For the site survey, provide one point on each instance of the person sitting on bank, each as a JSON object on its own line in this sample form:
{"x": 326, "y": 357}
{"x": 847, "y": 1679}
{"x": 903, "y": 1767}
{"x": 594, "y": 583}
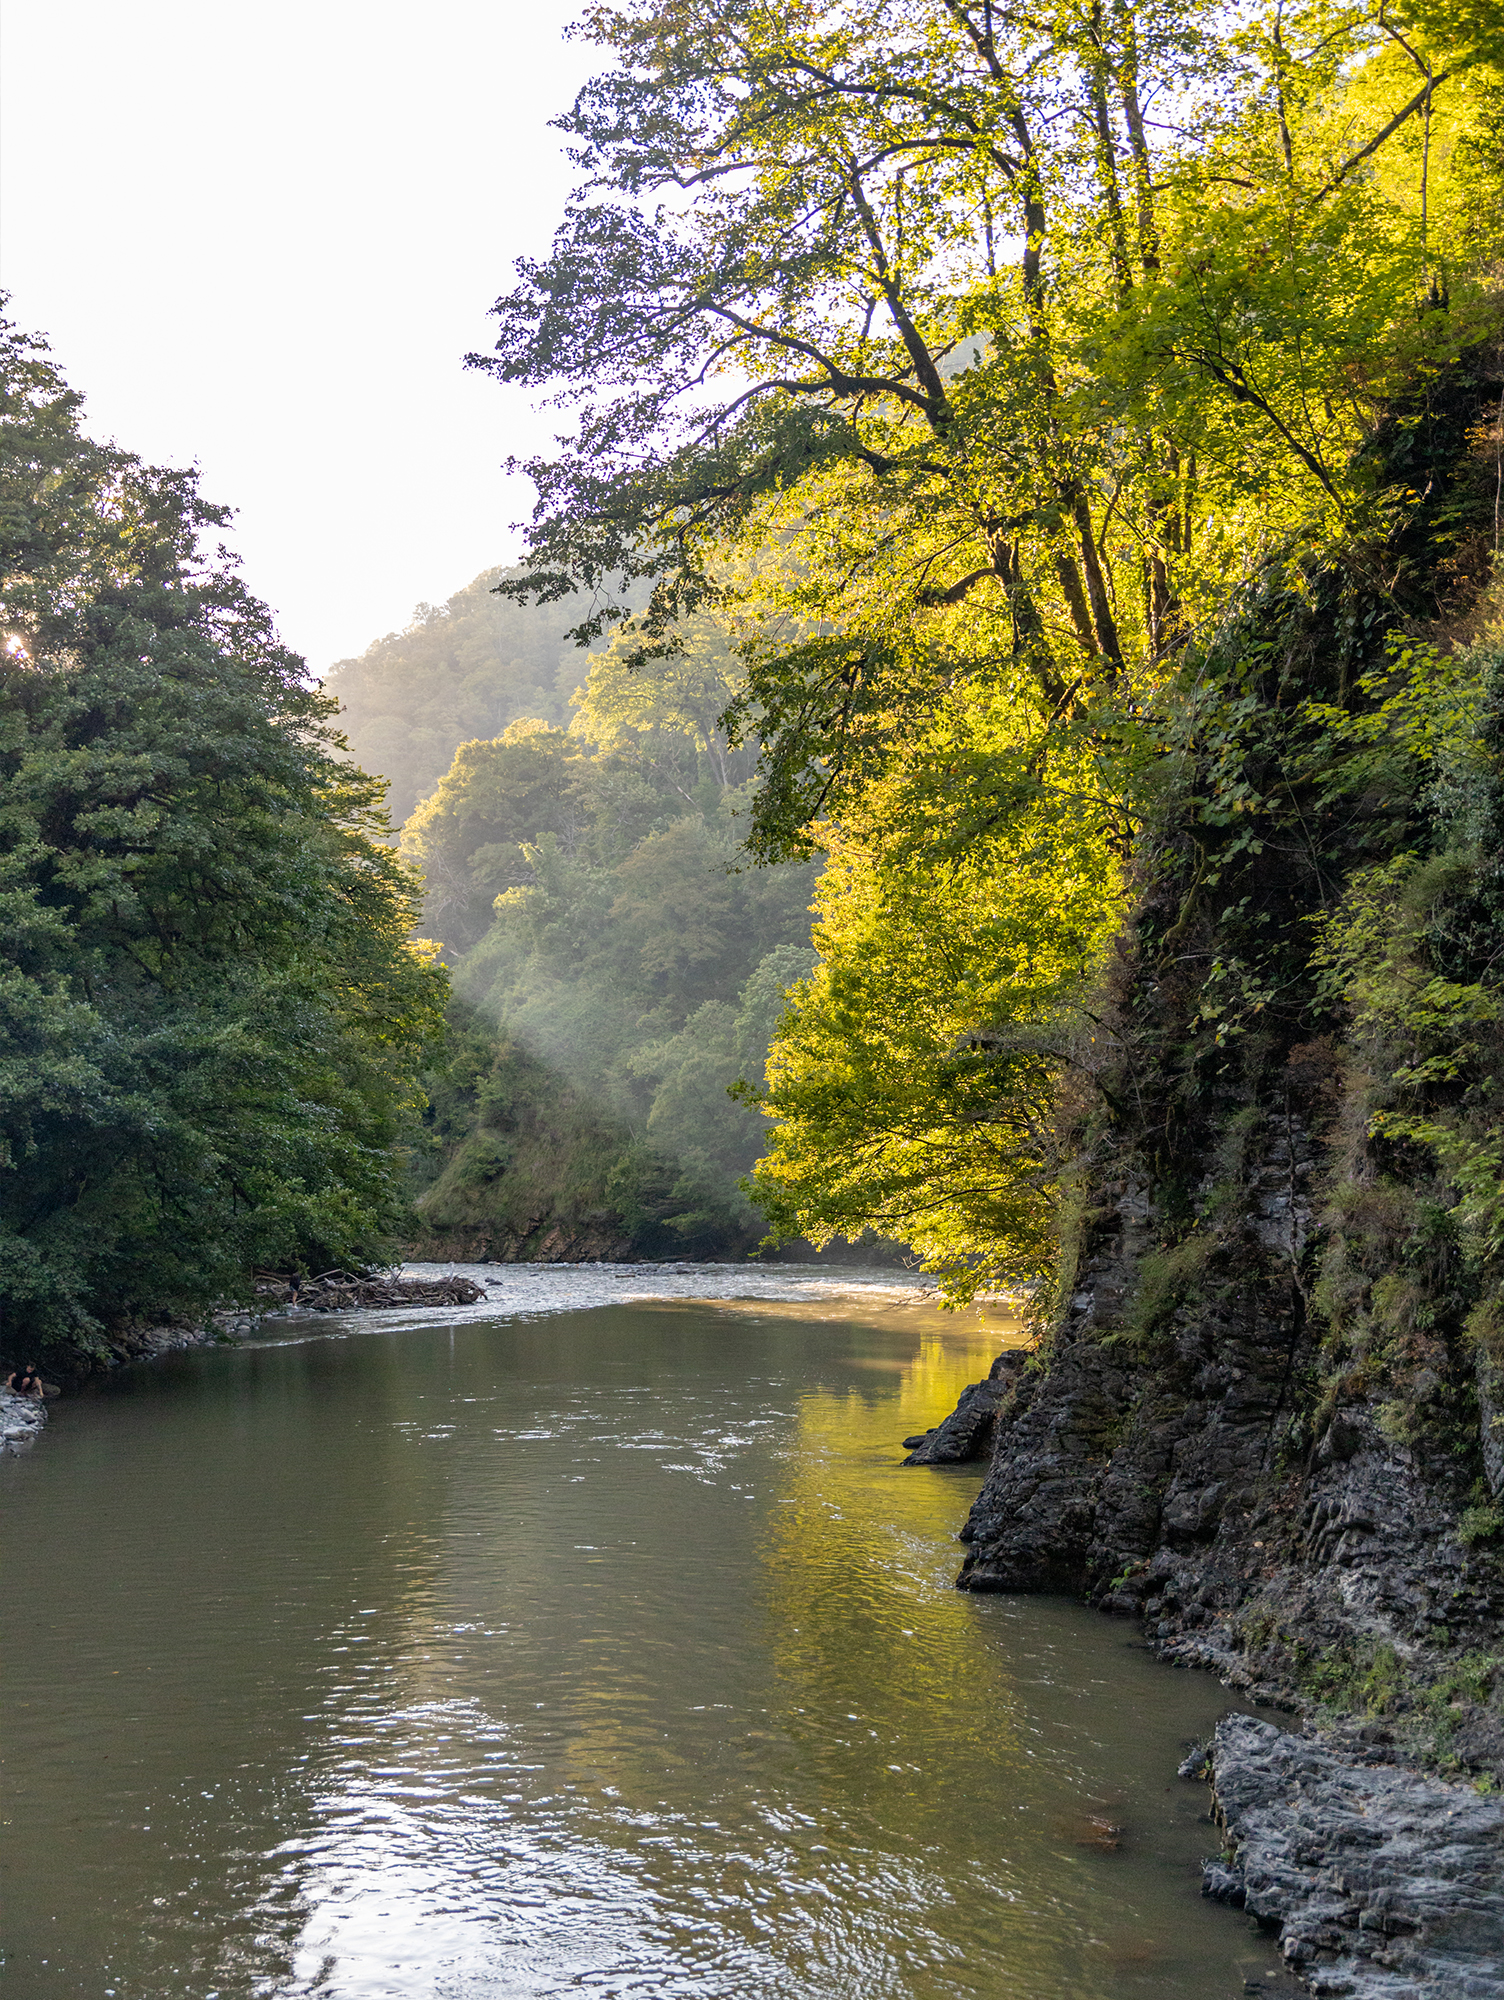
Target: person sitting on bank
{"x": 25, "y": 1381}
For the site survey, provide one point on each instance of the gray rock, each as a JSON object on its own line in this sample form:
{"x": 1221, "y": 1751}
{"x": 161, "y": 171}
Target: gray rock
{"x": 1182, "y": 1476}
{"x": 1197, "y": 1764}
{"x": 1223, "y": 1884}
{"x": 1383, "y": 1883}
{"x": 967, "y": 1432}
{"x": 21, "y": 1421}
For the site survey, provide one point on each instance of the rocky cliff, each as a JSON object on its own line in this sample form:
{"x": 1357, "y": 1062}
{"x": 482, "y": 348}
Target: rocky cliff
{"x": 1217, "y": 1486}
{"x": 1265, "y": 1413}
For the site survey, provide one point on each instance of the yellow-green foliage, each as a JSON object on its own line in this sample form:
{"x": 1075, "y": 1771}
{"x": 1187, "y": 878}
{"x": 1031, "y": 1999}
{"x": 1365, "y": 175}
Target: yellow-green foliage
{"x": 1430, "y": 1047}
{"x": 975, "y": 388}
{"x": 913, "y": 1076}
{"x": 684, "y": 689}
{"x": 1165, "y": 1279}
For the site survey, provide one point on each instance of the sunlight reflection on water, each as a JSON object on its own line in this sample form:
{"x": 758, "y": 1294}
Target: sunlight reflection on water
{"x": 544, "y": 1650}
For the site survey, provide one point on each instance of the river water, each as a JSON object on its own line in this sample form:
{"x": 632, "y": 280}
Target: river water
{"x": 591, "y": 1640}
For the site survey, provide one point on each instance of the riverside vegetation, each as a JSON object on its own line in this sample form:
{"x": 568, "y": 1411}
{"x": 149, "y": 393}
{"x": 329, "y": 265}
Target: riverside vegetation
{"x": 616, "y": 969}
{"x": 224, "y": 1053}
{"x": 211, "y": 1013}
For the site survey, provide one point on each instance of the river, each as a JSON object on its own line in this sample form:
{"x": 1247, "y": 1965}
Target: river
{"x": 592, "y": 1640}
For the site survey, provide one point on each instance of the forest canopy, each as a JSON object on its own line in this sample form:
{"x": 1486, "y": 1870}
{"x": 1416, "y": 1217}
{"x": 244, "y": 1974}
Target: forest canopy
{"x": 620, "y": 968}
{"x": 211, "y": 1016}
{"x": 575, "y": 820}
{"x": 979, "y": 369}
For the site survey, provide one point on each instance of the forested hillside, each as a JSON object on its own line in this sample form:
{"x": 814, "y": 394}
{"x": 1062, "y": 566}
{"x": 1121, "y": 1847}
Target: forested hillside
{"x": 619, "y": 970}
{"x": 211, "y": 1017}
{"x": 461, "y": 670}
{"x": 1090, "y": 423}
{"x": 576, "y": 820}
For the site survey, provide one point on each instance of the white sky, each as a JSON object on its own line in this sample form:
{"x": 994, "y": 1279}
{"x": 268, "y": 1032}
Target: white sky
{"x": 263, "y": 237}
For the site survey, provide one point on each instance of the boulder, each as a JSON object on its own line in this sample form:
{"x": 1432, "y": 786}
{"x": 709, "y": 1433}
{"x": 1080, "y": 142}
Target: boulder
{"x": 967, "y": 1432}
{"x": 1383, "y": 1882}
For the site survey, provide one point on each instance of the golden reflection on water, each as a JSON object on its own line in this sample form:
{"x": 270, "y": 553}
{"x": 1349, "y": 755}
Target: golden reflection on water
{"x": 617, "y": 1652}
{"x": 978, "y": 1328}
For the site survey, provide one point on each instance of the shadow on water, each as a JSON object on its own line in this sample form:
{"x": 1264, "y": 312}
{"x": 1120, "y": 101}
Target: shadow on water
{"x": 607, "y": 1651}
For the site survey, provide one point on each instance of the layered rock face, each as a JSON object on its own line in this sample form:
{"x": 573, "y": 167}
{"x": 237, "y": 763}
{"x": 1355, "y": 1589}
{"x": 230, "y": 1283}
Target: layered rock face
{"x": 968, "y": 1431}
{"x": 542, "y": 1242}
{"x": 1266, "y": 1414}
{"x": 1209, "y": 1467}
{"x": 1190, "y": 1484}
{"x": 1386, "y": 1884}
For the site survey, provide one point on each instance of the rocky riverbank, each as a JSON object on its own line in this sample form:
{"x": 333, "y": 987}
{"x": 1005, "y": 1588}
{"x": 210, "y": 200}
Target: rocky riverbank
{"x": 1339, "y": 1581}
{"x": 967, "y": 1433}
{"x": 331, "y": 1291}
{"x": 1336, "y": 1569}
{"x": 74, "y": 1366}
{"x": 1385, "y": 1883}
{"x": 1266, "y": 1414}
{"x": 22, "y": 1420}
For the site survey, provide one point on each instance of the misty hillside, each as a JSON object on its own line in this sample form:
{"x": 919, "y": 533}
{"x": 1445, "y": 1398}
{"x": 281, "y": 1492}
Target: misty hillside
{"x": 461, "y": 670}
{"x": 617, "y": 966}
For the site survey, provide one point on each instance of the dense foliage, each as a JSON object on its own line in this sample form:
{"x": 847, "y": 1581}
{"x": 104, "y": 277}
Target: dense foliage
{"x": 982, "y": 369}
{"x": 914, "y": 1076}
{"x": 624, "y": 972}
{"x": 1411, "y": 956}
{"x": 210, "y": 1017}
{"x": 660, "y": 753}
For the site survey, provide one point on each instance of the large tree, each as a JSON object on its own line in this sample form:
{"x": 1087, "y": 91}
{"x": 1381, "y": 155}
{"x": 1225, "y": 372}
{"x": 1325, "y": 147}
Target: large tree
{"x": 1070, "y": 290}
{"x": 977, "y": 360}
{"x": 210, "y": 1017}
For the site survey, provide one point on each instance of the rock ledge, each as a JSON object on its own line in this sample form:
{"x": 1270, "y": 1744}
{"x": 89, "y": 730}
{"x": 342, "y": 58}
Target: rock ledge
{"x": 968, "y": 1431}
{"x": 1384, "y": 1883}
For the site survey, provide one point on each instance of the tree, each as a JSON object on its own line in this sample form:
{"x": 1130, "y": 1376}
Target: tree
{"x": 467, "y": 837}
{"x": 683, "y": 687}
{"x": 632, "y": 973}
{"x": 951, "y": 252}
{"x": 978, "y": 364}
{"x": 914, "y": 1075}
{"x": 210, "y": 1017}
{"x": 462, "y": 670}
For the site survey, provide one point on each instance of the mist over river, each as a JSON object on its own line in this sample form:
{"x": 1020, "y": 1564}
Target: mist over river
{"x": 588, "y": 1640}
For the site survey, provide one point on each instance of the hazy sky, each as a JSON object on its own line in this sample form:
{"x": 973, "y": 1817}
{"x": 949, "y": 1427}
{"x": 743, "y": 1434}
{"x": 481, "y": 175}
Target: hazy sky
{"x": 263, "y": 237}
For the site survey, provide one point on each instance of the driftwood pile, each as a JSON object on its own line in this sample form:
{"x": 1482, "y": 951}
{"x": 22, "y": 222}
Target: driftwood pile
{"x": 343, "y": 1291}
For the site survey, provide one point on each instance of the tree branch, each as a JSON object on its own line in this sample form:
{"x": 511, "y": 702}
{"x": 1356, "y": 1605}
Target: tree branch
{"x": 1407, "y": 111}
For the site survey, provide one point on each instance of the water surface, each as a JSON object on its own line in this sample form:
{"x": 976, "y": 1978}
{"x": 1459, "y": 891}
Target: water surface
{"x": 590, "y": 1641}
